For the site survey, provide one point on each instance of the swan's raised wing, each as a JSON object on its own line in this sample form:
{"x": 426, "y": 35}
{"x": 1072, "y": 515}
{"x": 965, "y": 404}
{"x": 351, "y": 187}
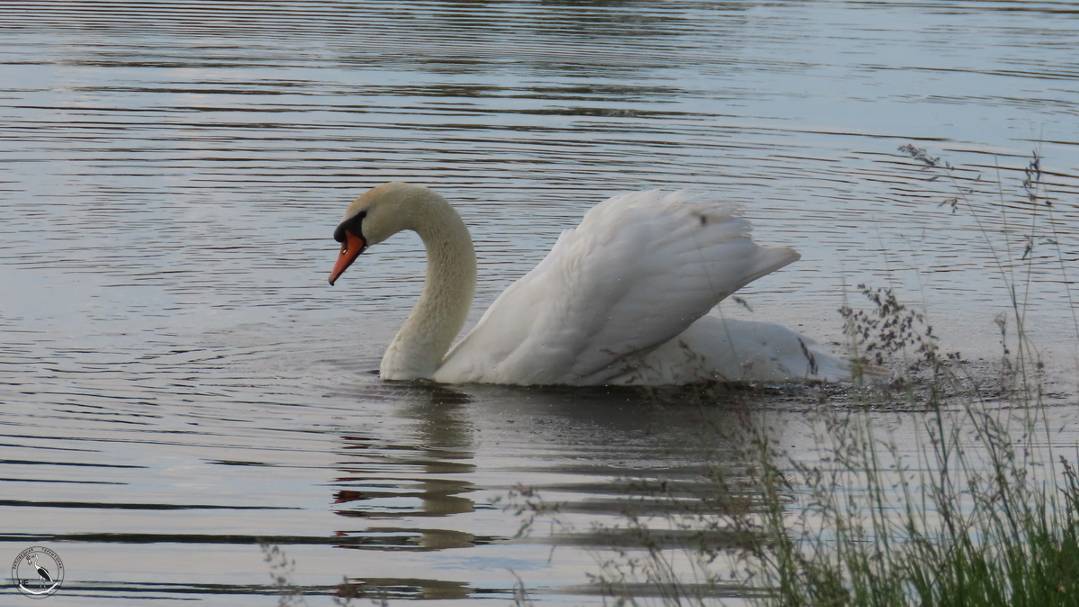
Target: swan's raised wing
{"x": 637, "y": 271}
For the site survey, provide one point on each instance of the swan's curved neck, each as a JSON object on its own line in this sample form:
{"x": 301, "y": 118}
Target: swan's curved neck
{"x": 426, "y": 336}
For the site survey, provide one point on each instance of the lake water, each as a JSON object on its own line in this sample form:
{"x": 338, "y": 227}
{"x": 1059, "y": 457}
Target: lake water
{"x": 178, "y": 383}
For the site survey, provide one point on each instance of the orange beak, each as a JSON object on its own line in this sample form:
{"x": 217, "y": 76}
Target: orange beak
{"x": 350, "y": 250}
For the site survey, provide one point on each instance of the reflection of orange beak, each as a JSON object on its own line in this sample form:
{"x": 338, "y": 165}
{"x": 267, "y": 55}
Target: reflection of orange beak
{"x": 350, "y": 250}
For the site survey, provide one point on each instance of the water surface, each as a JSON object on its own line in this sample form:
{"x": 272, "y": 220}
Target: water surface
{"x": 178, "y": 382}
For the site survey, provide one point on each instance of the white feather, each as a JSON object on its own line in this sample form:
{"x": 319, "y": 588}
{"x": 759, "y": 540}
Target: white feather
{"x": 616, "y": 291}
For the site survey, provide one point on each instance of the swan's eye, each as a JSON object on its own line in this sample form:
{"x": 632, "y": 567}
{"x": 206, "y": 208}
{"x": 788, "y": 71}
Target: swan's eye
{"x": 353, "y": 224}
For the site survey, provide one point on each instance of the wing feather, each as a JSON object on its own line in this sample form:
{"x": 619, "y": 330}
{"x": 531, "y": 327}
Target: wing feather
{"x": 637, "y": 271}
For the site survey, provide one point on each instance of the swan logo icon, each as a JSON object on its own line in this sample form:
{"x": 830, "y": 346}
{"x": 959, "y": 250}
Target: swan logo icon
{"x": 37, "y": 572}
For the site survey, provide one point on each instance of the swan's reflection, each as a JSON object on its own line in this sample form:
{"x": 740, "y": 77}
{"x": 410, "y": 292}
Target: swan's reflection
{"x": 418, "y": 475}
{"x": 599, "y": 453}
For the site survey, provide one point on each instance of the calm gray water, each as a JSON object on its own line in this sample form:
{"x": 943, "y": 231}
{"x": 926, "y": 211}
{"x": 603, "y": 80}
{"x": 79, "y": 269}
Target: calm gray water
{"x": 178, "y": 382}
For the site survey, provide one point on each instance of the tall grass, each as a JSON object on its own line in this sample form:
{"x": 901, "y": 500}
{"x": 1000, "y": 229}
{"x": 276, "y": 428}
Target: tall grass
{"x": 986, "y": 514}
{"x": 981, "y": 516}
{"x": 976, "y": 508}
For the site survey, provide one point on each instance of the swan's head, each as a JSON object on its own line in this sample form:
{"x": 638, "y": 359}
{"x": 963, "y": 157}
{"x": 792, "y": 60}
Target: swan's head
{"x": 373, "y": 217}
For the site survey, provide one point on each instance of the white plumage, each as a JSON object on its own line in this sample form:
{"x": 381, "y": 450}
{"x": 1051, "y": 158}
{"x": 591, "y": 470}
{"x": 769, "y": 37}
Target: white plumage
{"x": 623, "y": 298}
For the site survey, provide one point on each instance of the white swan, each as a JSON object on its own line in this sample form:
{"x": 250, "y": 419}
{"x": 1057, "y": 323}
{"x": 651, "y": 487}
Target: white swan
{"x": 623, "y": 298}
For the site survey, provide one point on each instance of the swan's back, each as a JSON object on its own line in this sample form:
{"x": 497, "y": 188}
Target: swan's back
{"x": 637, "y": 271}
